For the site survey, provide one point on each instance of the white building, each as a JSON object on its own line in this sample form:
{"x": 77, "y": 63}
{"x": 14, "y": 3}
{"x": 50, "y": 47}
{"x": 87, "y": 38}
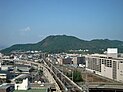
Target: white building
{"x": 23, "y": 86}
{"x": 112, "y": 52}
{"x": 3, "y": 76}
{"x": 106, "y": 65}
{"x": 0, "y": 55}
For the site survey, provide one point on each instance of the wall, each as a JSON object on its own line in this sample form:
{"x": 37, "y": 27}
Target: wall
{"x": 106, "y": 71}
{"x": 120, "y": 71}
{"x": 23, "y": 86}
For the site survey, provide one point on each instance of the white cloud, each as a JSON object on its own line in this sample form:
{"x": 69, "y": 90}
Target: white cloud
{"x": 26, "y": 29}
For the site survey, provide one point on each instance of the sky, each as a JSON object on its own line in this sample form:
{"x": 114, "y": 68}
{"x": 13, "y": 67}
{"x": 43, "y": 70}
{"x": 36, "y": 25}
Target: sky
{"x": 30, "y": 21}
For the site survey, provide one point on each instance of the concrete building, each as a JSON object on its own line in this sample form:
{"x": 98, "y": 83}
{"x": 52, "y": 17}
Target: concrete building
{"x": 4, "y": 75}
{"x": 109, "y": 65}
{"x": 22, "y": 68}
{"x": 112, "y": 52}
{"x": 1, "y": 55}
{"x": 78, "y": 60}
{"x": 6, "y": 67}
{"x": 22, "y": 86}
{"x": 6, "y": 87}
{"x": 6, "y": 64}
{"x": 62, "y": 61}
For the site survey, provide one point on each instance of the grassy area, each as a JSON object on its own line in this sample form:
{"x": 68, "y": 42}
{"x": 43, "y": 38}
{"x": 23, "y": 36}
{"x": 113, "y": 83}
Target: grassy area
{"x": 32, "y": 90}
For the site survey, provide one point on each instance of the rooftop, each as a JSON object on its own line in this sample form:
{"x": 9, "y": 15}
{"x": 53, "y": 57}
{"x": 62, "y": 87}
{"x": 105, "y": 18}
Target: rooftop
{"x": 32, "y": 90}
{"x": 5, "y": 86}
{"x": 104, "y": 56}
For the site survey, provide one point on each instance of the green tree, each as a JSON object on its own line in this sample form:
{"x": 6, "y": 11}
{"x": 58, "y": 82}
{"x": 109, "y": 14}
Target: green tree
{"x": 40, "y": 72}
{"x": 77, "y": 77}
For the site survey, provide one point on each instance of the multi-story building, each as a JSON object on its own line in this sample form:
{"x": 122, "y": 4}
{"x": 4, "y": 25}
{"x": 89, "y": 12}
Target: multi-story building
{"x": 62, "y": 61}
{"x": 22, "y": 86}
{"x": 0, "y": 55}
{"x": 78, "y": 60}
{"x": 109, "y": 65}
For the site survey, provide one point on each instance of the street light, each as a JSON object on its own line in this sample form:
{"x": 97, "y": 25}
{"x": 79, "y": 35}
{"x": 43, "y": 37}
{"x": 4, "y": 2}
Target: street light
{"x": 71, "y": 74}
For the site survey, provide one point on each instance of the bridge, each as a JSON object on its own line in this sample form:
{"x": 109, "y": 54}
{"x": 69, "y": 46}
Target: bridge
{"x": 69, "y": 84}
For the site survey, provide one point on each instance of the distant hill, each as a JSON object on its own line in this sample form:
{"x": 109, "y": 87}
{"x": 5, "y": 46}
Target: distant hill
{"x": 63, "y": 43}
{"x": 1, "y": 47}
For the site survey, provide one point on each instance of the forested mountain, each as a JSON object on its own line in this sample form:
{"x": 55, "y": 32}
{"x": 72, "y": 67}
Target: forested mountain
{"x": 63, "y": 43}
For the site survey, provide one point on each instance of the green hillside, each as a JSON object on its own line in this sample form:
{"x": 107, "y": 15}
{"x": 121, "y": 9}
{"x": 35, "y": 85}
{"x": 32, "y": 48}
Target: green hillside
{"x": 60, "y": 43}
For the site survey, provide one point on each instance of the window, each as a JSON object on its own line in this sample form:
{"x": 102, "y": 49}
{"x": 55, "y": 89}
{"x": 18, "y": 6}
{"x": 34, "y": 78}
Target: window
{"x": 109, "y": 63}
{"x": 103, "y": 61}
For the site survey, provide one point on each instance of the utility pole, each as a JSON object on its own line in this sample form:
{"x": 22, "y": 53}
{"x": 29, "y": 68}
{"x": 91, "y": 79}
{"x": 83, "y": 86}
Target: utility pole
{"x": 86, "y": 84}
{"x": 72, "y": 75}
